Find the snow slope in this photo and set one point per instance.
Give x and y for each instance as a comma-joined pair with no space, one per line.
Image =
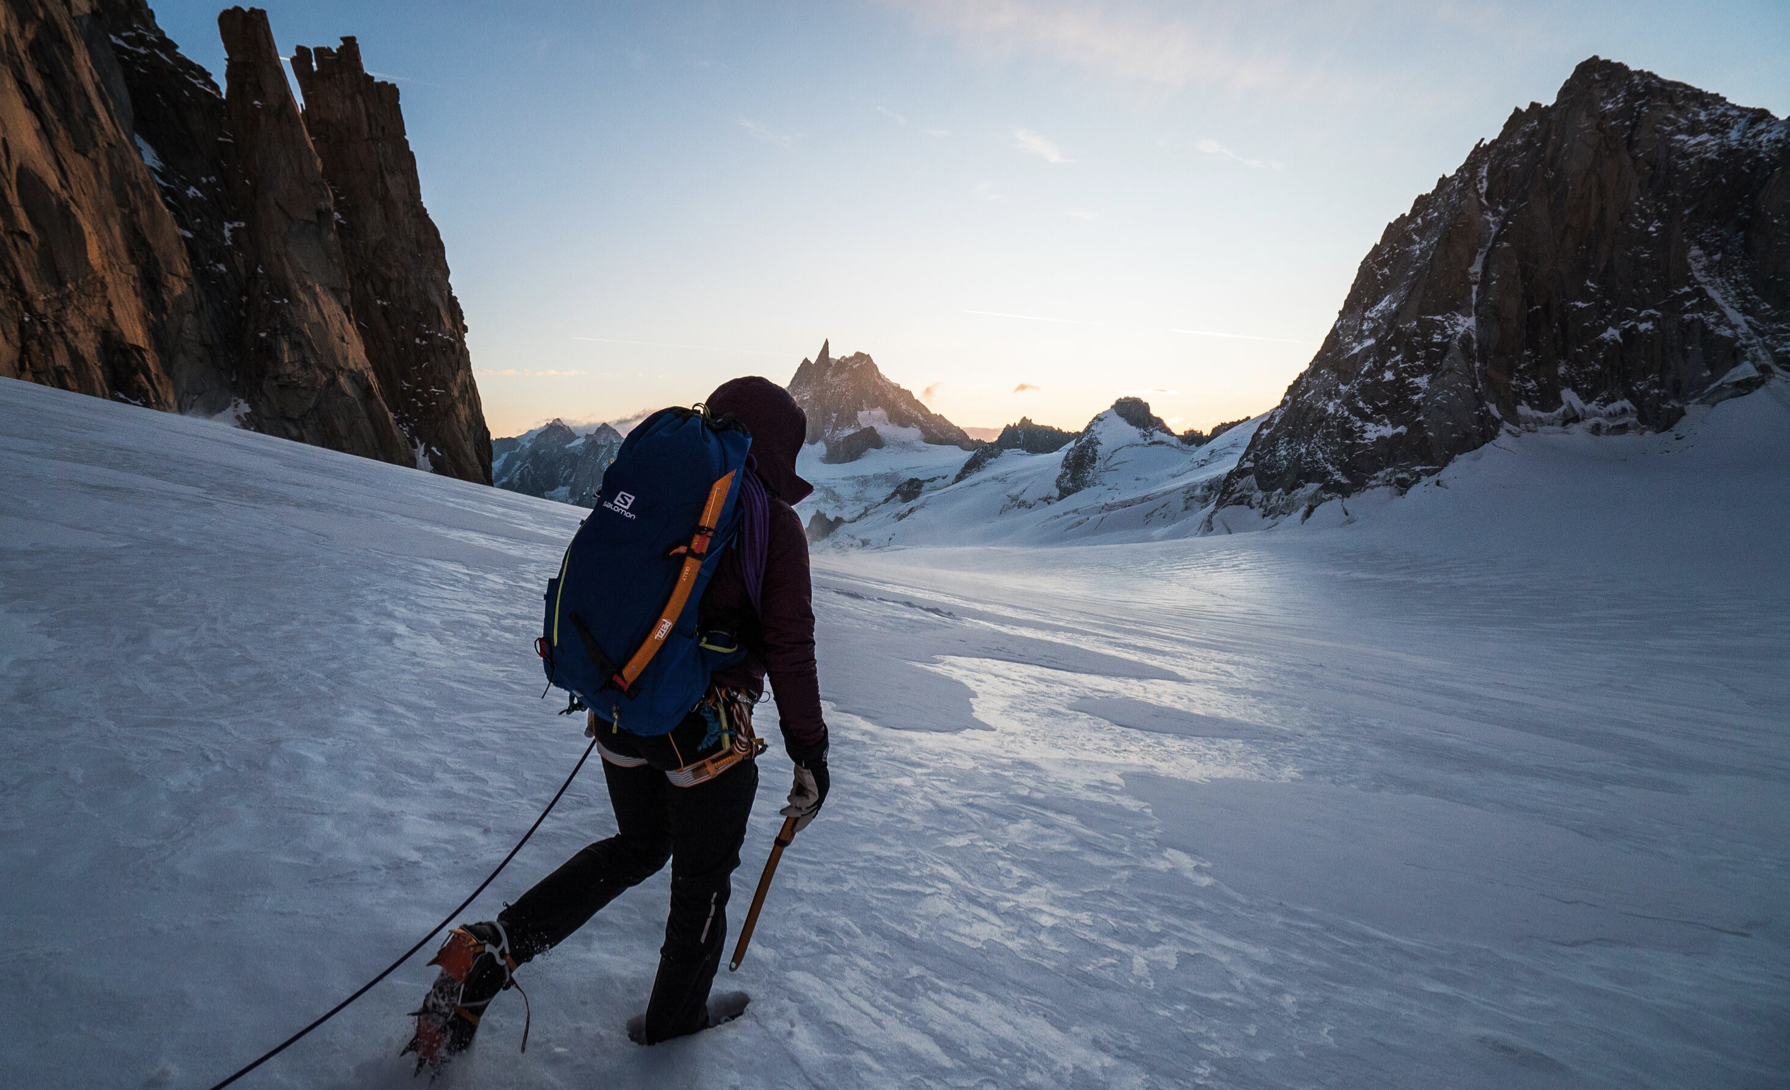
1490,788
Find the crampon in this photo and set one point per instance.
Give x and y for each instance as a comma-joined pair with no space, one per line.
476,964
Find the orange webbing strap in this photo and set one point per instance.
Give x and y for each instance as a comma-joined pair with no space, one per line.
686,581
704,771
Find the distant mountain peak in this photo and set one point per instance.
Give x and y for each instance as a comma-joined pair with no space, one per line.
1129,421
844,396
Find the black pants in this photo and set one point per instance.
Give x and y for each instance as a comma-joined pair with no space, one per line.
700,830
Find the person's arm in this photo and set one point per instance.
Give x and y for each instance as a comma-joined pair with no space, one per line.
786,611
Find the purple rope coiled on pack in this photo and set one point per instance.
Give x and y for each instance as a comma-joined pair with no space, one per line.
755,514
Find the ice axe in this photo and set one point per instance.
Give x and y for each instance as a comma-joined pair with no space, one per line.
784,837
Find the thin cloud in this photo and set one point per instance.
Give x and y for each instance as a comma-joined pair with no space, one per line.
985,191
892,116
1025,387
926,394
763,132
1213,147
1033,143
525,372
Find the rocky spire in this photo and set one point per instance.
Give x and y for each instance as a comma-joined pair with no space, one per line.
165,245
843,396
306,372
410,322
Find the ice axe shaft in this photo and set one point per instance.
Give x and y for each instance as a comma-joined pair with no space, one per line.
784,837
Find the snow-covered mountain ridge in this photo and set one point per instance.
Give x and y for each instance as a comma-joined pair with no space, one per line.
557,461
1125,477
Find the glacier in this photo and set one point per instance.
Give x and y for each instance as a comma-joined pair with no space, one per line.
1484,786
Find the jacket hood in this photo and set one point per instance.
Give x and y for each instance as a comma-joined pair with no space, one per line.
778,426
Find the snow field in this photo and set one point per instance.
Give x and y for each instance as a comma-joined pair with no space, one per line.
1486,789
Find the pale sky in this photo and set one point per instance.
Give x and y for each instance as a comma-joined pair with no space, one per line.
1018,207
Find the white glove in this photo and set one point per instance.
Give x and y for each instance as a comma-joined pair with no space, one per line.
807,793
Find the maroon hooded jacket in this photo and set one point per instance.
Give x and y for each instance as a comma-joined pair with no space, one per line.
779,634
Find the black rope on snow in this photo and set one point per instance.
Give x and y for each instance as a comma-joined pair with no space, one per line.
424,941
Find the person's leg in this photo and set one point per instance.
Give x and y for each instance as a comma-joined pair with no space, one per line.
563,901
708,825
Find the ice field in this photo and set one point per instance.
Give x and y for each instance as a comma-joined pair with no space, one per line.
1484,786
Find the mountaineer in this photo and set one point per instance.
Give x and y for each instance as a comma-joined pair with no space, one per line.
682,790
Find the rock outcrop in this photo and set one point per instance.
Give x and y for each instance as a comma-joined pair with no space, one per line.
1605,260
852,446
1024,436
175,248
821,526
843,396
557,462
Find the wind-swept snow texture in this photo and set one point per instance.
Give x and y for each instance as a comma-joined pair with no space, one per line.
1490,788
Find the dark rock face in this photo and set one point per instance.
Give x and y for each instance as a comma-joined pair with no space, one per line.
1033,438
96,292
833,392
411,323
1136,412
821,526
1080,465
304,371
176,114
851,447
1025,435
1194,437
230,288
1607,259
557,463
907,491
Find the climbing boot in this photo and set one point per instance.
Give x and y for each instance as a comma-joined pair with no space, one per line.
476,964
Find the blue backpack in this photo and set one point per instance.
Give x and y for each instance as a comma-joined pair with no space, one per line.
620,632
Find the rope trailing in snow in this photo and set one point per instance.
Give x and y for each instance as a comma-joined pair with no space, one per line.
424,941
